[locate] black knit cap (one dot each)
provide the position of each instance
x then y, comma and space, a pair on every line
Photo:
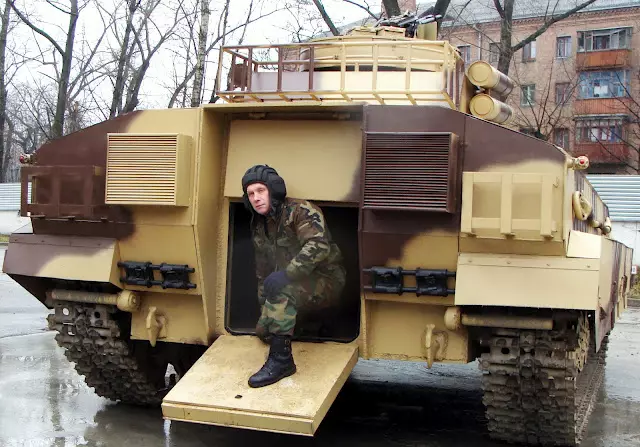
270, 177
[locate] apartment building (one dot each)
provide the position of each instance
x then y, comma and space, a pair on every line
577, 84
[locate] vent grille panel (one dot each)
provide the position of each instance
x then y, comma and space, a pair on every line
410, 171
147, 169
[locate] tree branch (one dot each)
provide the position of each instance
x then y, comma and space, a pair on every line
499, 8
326, 18
547, 24
58, 7
35, 28
367, 10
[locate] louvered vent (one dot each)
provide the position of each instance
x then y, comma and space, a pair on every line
148, 169
412, 171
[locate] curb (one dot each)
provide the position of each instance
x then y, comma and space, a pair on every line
633, 302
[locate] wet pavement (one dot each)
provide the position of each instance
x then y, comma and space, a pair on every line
45, 403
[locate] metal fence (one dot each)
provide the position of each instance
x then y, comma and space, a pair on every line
9, 196
621, 193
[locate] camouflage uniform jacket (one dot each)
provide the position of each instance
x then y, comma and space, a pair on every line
297, 240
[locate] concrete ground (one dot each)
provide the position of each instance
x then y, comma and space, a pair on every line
45, 403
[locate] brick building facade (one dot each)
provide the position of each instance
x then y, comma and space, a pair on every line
577, 84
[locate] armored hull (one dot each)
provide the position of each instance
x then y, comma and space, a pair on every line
463, 240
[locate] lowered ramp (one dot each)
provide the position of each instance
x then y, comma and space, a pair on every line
215, 390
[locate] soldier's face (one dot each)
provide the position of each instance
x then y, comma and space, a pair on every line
259, 198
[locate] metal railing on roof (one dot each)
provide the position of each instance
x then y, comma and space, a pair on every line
380, 70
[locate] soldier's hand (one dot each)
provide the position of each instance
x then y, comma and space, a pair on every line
275, 282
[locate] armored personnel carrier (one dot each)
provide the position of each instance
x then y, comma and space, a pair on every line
463, 239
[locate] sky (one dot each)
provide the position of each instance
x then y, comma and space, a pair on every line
167, 63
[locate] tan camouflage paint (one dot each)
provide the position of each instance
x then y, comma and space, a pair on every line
184, 315
197, 234
64, 257
287, 146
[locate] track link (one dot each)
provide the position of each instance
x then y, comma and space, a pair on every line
539, 388
92, 340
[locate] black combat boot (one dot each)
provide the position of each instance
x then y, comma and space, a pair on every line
279, 364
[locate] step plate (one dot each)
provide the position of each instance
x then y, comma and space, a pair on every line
215, 390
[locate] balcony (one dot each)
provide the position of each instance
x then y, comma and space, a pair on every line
601, 152
602, 106
592, 60
350, 68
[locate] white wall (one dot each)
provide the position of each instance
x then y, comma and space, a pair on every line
10, 221
627, 233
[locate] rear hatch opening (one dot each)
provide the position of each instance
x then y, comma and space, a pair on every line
242, 308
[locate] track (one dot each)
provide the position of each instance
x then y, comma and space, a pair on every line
92, 339
539, 388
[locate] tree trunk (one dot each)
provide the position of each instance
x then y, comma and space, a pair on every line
134, 86
441, 7
391, 7
326, 18
196, 93
8, 146
506, 52
63, 86
116, 101
216, 84
4, 147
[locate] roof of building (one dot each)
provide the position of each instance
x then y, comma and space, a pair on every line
482, 11
464, 12
621, 193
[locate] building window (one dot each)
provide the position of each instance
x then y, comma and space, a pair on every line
604, 84
494, 52
605, 39
562, 93
602, 130
465, 53
563, 47
561, 137
528, 96
529, 52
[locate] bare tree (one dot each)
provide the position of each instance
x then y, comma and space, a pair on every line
224, 31
391, 7
146, 49
547, 110
67, 59
310, 16
26, 106
505, 10
123, 58
549, 15
205, 14
327, 19
4, 31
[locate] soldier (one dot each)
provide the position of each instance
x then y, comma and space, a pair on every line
298, 266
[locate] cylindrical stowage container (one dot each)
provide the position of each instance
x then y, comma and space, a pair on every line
490, 109
482, 74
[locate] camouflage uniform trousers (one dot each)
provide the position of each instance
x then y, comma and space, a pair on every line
300, 301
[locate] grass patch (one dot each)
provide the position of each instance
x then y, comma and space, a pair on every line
4, 239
